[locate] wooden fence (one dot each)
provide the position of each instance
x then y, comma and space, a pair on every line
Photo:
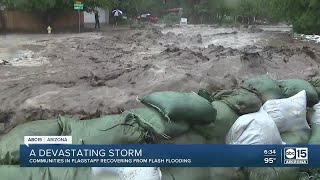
13, 21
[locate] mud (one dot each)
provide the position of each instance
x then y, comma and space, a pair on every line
92, 74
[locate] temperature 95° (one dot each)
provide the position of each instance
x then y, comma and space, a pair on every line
269, 160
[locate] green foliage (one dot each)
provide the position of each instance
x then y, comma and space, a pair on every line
170, 19
303, 14
136, 7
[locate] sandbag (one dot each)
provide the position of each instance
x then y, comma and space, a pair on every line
293, 86
190, 137
289, 114
151, 119
205, 94
10, 143
44, 173
270, 173
126, 173
309, 174
263, 86
316, 114
315, 126
216, 132
310, 113
296, 137
315, 134
185, 173
176, 106
240, 100
112, 129
253, 129
227, 173
315, 82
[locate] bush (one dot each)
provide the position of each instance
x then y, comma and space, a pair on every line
308, 23
170, 19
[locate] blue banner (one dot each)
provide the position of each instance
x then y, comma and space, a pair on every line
170, 156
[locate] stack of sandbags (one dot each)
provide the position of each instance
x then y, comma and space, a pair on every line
185, 173
112, 129
286, 116
171, 114
314, 139
190, 118
231, 104
216, 132
255, 129
290, 116
315, 126
10, 143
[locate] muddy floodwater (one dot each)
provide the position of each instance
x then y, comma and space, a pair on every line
92, 74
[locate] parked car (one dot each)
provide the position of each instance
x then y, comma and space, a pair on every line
147, 18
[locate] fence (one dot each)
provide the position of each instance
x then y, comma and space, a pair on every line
13, 21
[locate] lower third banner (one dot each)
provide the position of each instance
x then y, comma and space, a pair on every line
169, 156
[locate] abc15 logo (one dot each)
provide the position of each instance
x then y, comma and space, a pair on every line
296, 153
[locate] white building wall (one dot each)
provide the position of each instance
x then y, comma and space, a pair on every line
104, 17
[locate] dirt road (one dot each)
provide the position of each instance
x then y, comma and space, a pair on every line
90, 74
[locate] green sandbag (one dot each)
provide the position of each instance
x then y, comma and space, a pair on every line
176, 106
292, 87
263, 86
273, 173
218, 130
190, 137
227, 174
10, 143
197, 173
296, 137
310, 112
185, 173
205, 94
315, 82
112, 129
309, 174
315, 134
151, 119
44, 173
240, 100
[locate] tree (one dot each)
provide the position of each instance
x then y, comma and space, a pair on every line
49, 5
303, 14
136, 7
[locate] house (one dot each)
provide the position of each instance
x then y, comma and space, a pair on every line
89, 18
